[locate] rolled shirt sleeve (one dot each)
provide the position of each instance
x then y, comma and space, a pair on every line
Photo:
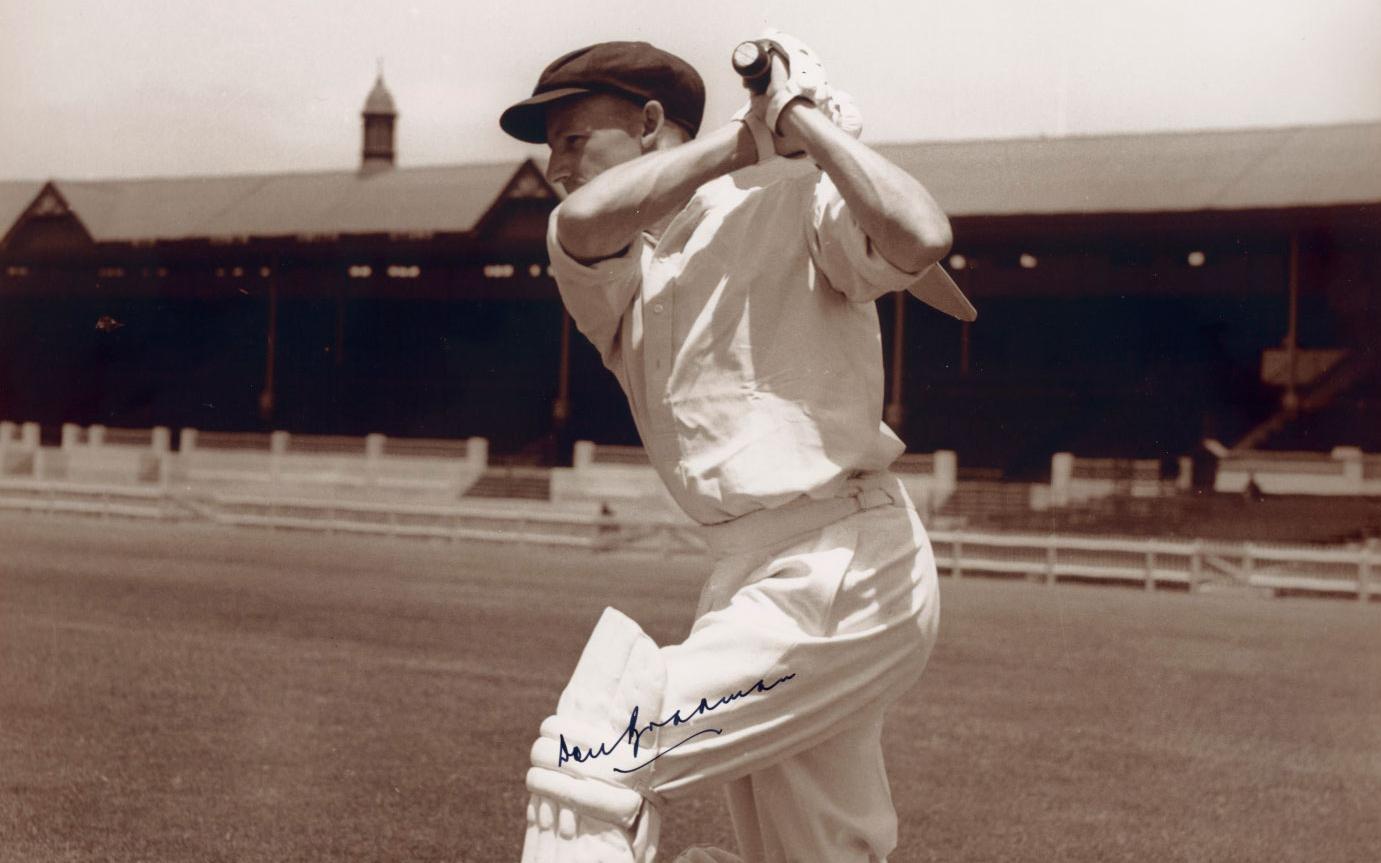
596, 296
844, 253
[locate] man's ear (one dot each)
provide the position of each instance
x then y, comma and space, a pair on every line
654, 119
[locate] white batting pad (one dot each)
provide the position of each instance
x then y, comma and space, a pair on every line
584, 811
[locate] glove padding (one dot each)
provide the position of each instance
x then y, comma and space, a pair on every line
806, 80
556, 833
805, 75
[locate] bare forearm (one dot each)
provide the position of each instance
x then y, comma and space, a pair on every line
605, 215
892, 207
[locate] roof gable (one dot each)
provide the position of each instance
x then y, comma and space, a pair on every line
53, 221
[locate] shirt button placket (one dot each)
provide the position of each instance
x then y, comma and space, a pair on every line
659, 346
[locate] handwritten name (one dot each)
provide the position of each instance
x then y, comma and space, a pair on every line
633, 732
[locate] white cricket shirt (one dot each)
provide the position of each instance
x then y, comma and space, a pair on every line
746, 340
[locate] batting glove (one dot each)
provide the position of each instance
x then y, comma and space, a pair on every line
805, 80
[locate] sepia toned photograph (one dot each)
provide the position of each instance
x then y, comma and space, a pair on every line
726, 432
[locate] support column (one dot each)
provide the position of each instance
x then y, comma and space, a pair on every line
338, 389
1291, 399
894, 412
338, 350
966, 278
561, 408
266, 396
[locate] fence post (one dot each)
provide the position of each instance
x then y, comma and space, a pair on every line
186, 451
477, 452
1150, 568
958, 570
6, 432
30, 439
1351, 457
1184, 478
373, 454
161, 442
1196, 565
1248, 563
71, 435
1061, 477
945, 473
583, 455
278, 447
1050, 559
1364, 571
95, 436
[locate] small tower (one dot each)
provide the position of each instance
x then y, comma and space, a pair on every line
379, 118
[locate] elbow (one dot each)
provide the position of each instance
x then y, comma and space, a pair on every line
921, 242
937, 239
591, 226
578, 228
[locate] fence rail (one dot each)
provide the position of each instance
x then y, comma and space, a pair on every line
1151, 563
326, 445
120, 501
1193, 564
253, 441
126, 437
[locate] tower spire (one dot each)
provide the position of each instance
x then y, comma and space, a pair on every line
379, 117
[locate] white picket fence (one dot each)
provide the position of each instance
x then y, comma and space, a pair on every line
1351, 570
1191, 564
99, 456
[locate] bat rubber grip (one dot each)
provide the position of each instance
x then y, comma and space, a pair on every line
753, 63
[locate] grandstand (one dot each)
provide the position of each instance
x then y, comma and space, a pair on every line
1137, 294
1171, 308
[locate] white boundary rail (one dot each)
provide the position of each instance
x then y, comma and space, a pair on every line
118, 501
1351, 570
1192, 564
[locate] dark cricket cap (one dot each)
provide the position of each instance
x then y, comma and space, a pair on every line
635, 70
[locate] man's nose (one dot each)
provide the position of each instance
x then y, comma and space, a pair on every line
557, 170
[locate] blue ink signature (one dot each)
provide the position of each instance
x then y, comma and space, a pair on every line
633, 733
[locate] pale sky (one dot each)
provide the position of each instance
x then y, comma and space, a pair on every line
127, 88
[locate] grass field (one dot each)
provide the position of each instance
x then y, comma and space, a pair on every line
185, 692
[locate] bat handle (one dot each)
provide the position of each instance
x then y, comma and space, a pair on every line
753, 63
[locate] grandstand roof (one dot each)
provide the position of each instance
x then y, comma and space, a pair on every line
1251, 169
1247, 169
403, 200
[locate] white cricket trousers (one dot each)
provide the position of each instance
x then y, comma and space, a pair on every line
843, 595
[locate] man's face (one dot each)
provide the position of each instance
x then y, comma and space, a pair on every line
590, 134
